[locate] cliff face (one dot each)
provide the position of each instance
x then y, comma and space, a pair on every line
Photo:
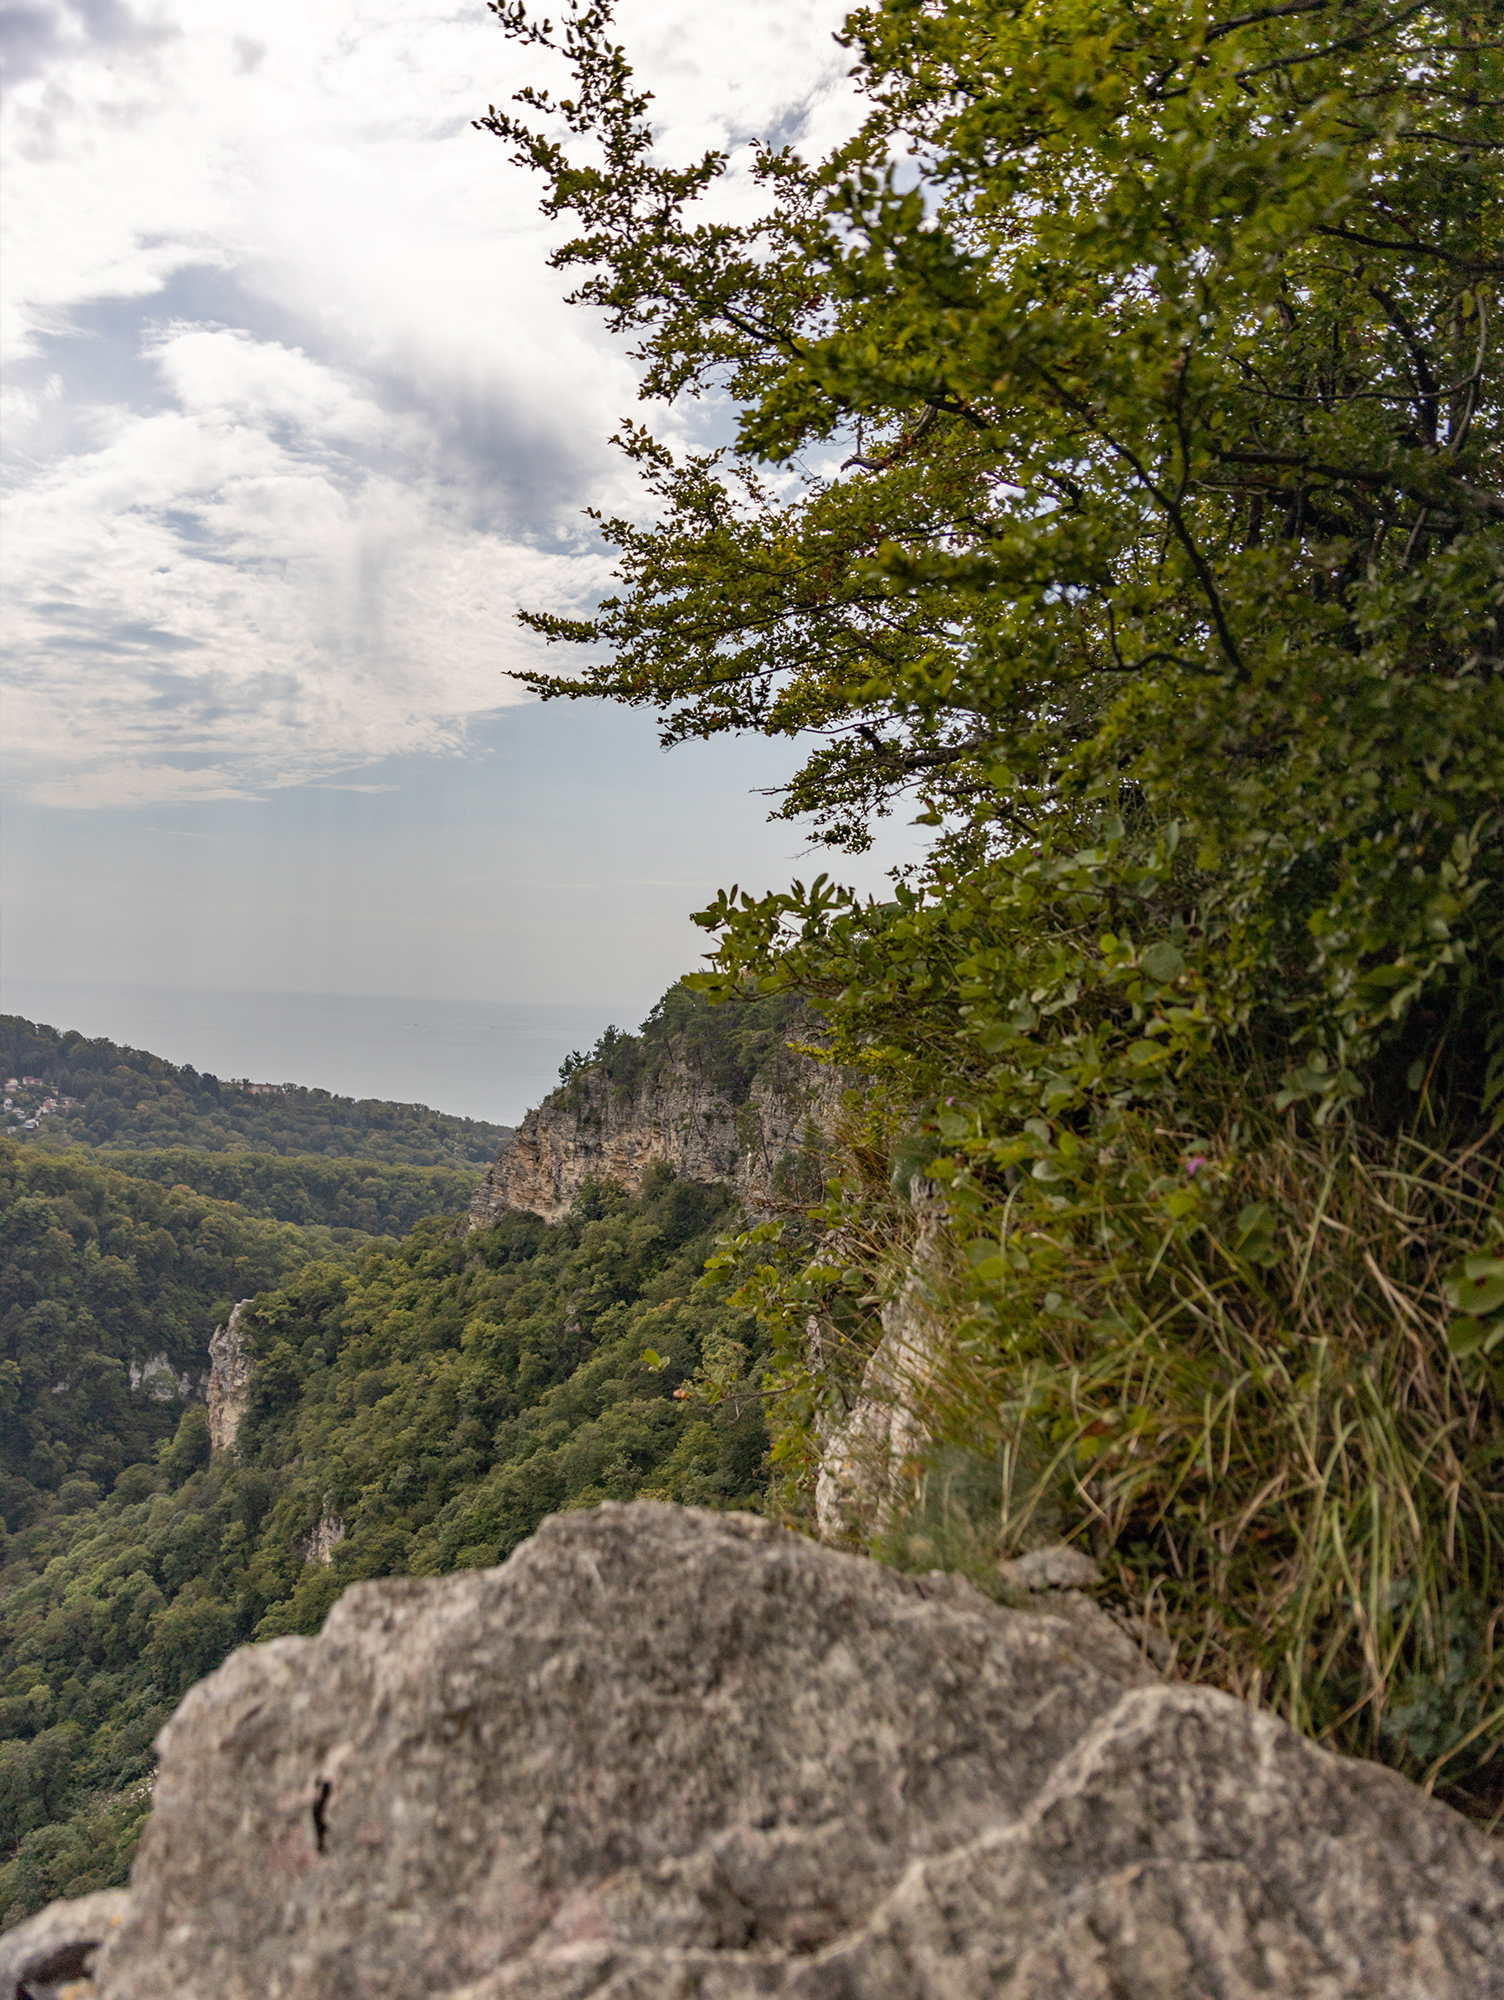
760, 1136
230, 1365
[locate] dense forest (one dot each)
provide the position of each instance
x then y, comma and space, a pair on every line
420, 1412
377, 1197
109, 1290
114, 1097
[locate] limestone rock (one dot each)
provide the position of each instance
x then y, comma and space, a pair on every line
589, 1129
670, 1755
162, 1382
328, 1533
1059, 1567
230, 1364
51, 1955
871, 1461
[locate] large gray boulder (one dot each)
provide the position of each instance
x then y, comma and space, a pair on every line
671, 1755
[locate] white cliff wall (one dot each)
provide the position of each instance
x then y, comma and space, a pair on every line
230, 1364
589, 1128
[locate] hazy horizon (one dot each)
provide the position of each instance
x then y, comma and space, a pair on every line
473, 1059
295, 418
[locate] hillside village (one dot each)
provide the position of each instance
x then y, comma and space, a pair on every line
42, 1100
27, 1115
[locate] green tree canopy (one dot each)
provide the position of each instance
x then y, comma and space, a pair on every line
1117, 482
1118, 467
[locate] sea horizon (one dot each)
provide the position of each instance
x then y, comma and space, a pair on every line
485, 1059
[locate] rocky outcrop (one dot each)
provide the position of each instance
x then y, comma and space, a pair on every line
230, 1365
591, 1128
157, 1378
872, 1458
670, 1755
319, 1545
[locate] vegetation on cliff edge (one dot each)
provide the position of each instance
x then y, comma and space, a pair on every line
726, 1048
1119, 481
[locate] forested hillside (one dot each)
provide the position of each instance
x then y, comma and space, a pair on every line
126, 1098
109, 1290
422, 1412
376, 1197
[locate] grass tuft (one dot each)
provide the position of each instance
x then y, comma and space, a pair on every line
1235, 1386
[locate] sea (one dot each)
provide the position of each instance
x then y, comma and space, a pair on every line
476, 1058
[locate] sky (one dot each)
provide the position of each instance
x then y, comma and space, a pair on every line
295, 418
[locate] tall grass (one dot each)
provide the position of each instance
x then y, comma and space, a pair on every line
1222, 1366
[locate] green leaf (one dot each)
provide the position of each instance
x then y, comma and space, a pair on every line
1477, 1287
1163, 963
1465, 1336
1254, 1234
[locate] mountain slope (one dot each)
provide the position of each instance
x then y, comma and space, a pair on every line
109, 1289
124, 1097
422, 1412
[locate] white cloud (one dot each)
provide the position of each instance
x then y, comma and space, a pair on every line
271, 540
271, 578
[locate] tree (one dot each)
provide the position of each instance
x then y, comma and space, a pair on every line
1118, 480
1138, 371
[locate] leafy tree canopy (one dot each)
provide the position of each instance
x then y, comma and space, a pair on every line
726, 1048
380, 1198
110, 1287
1118, 481
1118, 476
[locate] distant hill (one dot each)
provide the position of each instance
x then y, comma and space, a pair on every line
107, 1095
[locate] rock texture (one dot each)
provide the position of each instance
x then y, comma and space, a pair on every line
670, 1755
164, 1384
319, 1546
230, 1364
589, 1128
51, 1955
872, 1460
1058, 1567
